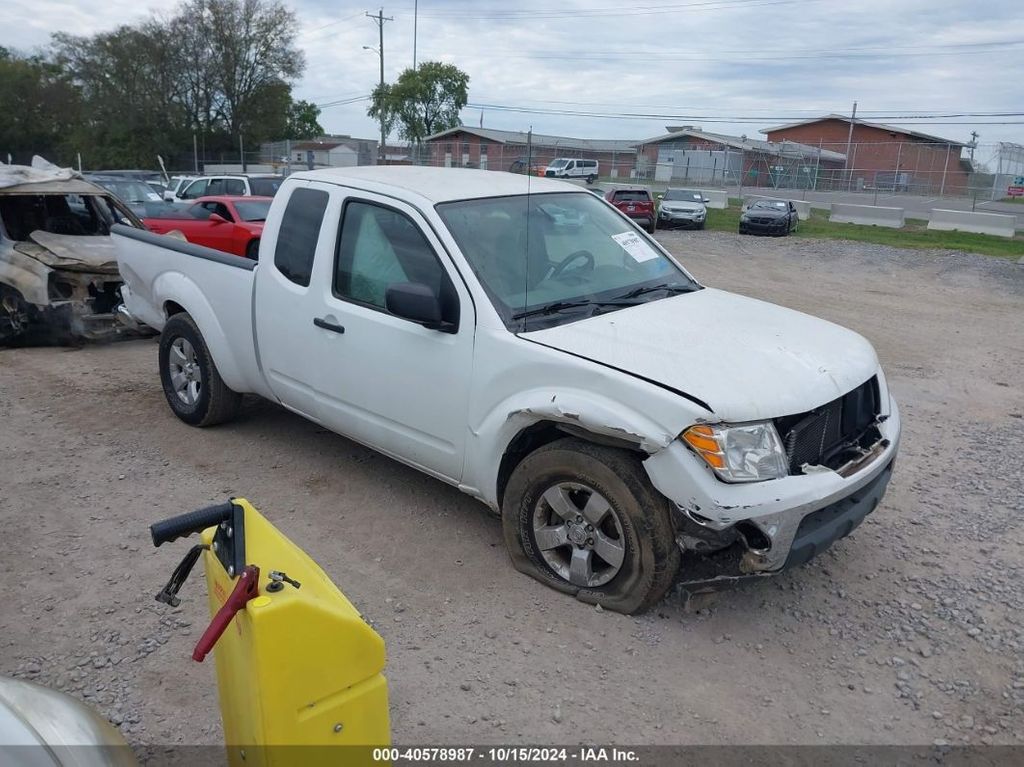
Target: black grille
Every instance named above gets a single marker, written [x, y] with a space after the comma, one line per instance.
[823, 435]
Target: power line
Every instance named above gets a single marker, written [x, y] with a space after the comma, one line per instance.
[306, 34]
[559, 13]
[748, 56]
[738, 119]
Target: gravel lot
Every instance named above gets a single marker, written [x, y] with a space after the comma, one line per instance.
[908, 632]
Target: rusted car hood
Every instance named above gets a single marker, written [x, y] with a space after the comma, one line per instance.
[745, 358]
[75, 253]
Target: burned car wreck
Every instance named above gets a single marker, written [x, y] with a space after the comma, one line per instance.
[58, 270]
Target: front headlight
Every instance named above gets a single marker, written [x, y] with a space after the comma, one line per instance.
[747, 453]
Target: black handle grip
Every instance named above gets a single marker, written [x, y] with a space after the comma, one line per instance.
[328, 325]
[185, 524]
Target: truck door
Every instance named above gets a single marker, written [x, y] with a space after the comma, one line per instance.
[383, 380]
[285, 302]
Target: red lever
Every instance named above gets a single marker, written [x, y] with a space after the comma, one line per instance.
[245, 589]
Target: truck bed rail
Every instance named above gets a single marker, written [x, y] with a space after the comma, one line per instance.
[173, 243]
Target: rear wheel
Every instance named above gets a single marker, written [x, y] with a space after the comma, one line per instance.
[591, 178]
[585, 520]
[192, 385]
[652, 225]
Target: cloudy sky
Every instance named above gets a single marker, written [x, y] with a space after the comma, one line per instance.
[732, 66]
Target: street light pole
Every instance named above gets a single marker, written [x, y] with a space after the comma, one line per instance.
[379, 20]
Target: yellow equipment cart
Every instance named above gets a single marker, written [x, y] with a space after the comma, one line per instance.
[299, 671]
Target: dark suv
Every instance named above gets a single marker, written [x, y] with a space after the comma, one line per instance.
[635, 202]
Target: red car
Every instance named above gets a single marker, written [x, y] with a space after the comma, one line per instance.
[635, 202]
[231, 224]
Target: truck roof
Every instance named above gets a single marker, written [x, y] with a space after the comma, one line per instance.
[436, 184]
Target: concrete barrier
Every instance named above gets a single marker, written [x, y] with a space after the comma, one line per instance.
[870, 215]
[716, 198]
[965, 221]
[803, 208]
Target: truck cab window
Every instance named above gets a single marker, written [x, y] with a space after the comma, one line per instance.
[300, 230]
[379, 247]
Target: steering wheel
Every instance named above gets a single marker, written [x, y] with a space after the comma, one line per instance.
[584, 254]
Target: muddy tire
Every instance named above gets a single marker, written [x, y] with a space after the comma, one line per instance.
[585, 520]
[192, 385]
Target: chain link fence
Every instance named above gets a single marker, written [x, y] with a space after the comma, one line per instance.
[987, 172]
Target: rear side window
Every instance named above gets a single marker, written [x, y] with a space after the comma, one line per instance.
[300, 230]
[264, 187]
[234, 186]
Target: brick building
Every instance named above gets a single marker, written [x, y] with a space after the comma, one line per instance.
[884, 156]
[487, 148]
[689, 155]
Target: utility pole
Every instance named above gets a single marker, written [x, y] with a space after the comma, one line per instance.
[415, 19]
[379, 20]
[849, 143]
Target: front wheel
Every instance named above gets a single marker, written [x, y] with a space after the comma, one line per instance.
[192, 385]
[585, 520]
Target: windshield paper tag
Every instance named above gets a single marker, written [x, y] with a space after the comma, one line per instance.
[636, 247]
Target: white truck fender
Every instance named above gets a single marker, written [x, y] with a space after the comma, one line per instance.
[584, 409]
[175, 287]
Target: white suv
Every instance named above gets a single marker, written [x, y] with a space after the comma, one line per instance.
[235, 186]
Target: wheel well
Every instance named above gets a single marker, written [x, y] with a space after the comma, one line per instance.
[171, 308]
[537, 435]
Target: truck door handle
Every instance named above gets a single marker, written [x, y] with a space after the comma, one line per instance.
[334, 327]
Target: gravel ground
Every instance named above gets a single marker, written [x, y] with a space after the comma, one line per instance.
[908, 632]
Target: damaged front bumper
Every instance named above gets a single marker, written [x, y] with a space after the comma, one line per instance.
[761, 528]
[84, 303]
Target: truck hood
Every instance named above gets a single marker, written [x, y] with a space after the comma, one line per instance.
[77, 253]
[746, 359]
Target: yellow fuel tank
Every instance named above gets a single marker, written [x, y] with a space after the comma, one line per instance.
[300, 672]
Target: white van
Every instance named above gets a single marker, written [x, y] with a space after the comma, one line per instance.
[568, 167]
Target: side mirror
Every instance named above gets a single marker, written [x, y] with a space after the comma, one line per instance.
[217, 218]
[414, 301]
[705, 200]
[660, 196]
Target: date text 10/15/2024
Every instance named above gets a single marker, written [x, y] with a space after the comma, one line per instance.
[504, 754]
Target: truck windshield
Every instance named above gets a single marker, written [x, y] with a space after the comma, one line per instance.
[559, 163]
[558, 257]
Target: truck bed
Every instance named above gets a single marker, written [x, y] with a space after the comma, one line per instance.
[164, 274]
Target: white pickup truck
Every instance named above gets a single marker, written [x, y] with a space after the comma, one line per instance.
[522, 340]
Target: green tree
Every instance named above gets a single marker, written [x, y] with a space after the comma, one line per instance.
[252, 45]
[130, 94]
[40, 106]
[422, 102]
[303, 121]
